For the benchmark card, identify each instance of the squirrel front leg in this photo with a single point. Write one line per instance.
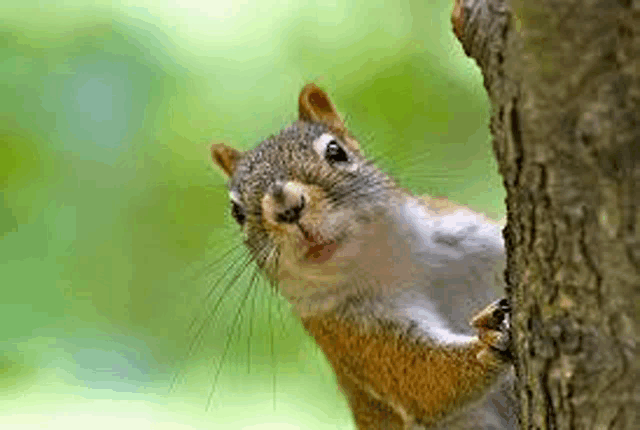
(400, 380)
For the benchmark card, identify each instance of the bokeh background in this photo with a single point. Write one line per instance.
(123, 303)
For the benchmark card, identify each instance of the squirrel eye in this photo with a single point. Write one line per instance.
(334, 153)
(237, 213)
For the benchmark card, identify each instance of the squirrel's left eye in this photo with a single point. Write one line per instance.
(238, 213)
(334, 153)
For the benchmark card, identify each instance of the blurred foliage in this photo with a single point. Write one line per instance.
(117, 253)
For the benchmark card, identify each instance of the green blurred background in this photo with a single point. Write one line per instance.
(115, 309)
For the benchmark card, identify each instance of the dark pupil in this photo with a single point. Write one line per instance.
(237, 213)
(335, 153)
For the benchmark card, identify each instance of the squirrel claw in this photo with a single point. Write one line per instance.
(493, 317)
(493, 324)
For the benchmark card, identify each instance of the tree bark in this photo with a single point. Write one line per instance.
(563, 79)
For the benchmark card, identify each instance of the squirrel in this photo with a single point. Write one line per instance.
(384, 281)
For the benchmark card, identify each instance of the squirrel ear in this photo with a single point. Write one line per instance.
(314, 105)
(225, 157)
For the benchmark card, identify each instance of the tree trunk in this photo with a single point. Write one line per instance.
(563, 78)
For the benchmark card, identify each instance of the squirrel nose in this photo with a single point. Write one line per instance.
(291, 215)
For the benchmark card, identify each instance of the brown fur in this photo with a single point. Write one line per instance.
(396, 381)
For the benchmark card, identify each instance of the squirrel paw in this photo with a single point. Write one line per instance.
(493, 324)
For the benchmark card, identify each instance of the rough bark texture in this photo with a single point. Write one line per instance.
(563, 78)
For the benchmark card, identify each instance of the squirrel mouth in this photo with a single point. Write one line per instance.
(319, 249)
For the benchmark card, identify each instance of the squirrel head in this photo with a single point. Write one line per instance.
(303, 195)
